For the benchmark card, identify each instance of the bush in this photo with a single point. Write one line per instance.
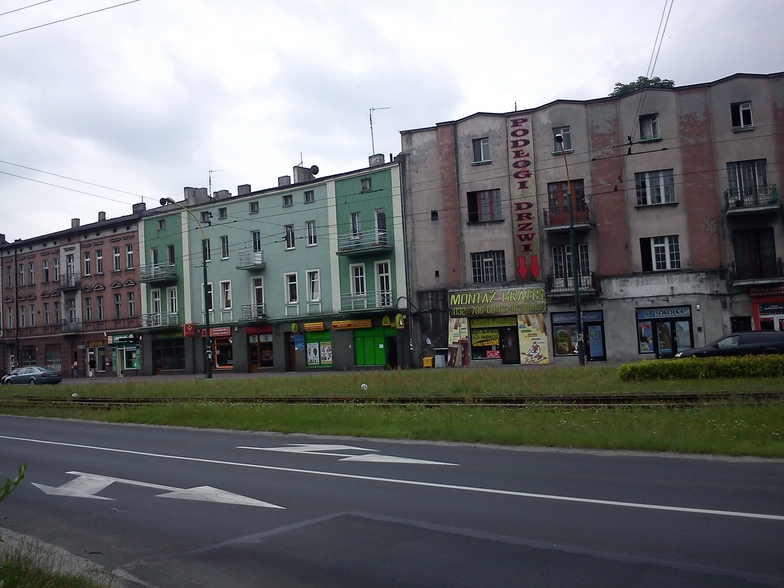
(747, 366)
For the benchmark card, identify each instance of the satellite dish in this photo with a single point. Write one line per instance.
(314, 169)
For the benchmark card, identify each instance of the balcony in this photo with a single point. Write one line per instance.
(157, 273)
(757, 274)
(252, 312)
(160, 320)
(69, 281)
(364, 243)
(71, 326)
(557, 219)
(758, 200)
(371, 300)
(563, 287)
(251, 260)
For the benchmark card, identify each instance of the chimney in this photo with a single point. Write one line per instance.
(243, 189)
(190, 196)
(101, 216)
(376, 160)
(302, 174)
(220, 194)
(75, 223)
(138, 208)
(284, 181)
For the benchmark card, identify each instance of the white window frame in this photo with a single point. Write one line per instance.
(382, 235)
(356, 225)
(310, 196)
(226, 301)
(312, 236)
(224, 246)
(566, 134)
(88, 310)
(649, 127)
(655, 187)
(358, 280)
(87, 264)
(129, 256)
(31, 268)
(664, 253)
(117, 305)
(288, 200)
(287, 283)
(291, 242)
(742, 110)
(131, 297)
(366, 184)
(171, 299)
(162, 224)
(210, 296)
(256, 287)
(255, 239)
(32, 315)
(253, 207)
(101, 310)
(156, 304)
(46, 313)
(481, 149)
(313, 279)
(56, 269)
(207, 252)
(223, 213)
(384, 283)
(98, 261)
(116, 259)
(44, 264)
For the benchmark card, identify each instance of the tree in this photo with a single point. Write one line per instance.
(642, 82)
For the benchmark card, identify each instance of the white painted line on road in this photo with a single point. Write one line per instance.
(659, 507)
(326, 450)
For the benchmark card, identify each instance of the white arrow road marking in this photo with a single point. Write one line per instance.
(87, 485)
(313, 449)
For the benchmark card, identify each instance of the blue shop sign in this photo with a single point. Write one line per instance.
(567, 318)
(673, 312)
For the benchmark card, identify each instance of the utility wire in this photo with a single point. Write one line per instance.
(24, 7)
(66, 19)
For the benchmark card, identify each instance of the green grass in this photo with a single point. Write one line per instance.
(32, 566)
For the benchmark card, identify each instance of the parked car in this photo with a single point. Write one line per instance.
(741, 343)
(33, 374)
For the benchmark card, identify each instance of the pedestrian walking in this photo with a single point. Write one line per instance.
(92, 368)
(75, 368)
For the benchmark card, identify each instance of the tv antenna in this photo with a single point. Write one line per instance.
(212, 171)
(372, 140)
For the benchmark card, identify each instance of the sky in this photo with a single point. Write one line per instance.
(121, 103)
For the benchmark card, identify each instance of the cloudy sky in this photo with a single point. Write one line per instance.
(135, 102)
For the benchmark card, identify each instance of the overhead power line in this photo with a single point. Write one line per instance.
(66, 19)
(24, 7)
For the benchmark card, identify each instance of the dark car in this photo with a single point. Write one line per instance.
(33, 374)
(741, 343)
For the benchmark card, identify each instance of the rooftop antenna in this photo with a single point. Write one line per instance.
(372, 140)
(212, 171)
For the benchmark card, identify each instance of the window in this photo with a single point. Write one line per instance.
(206, 215)
(223, 213)
(255, 238)
(22, 323)
(660, 253)
(98, 261)
(741, 115)
(366, 184)
(655, 187)
(101, 315)
(57, 314)
(254, 207)
(210, 307)
(32, 315)
(21, 274)
(433, 215)
(56, 269)
(156, 301)
(649, 127)
(45, 265)
(558, 202)
(170, 254)
(383, 283)
(87, 264)
(10, 319)
(488, 266)
(288, 200)
(755, 254)
(484, 206)
(116, 259)
(481, 150)
(314, 286)
(131, 304)
(70, 267)
(258, 294)
(356, 225)
(748, 182)
(562, 266)
(358, 280)
(171, 298)
(310, 196)
(292, 296)
(207, 250)
(88, 309)
(381, 226)
(129, 256)
(46, 313)
(118, 306)
(566, 135)
(290, 237)
(312, 238)
(224, 247)
(71, 304)
(162, 224)
(225, 295)
(31, 273)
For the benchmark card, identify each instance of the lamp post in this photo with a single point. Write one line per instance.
(165, 201)
(575, 263)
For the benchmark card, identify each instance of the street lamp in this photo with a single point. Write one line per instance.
(575, 264)
(164, 202)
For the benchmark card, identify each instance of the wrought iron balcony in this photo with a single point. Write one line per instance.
(756, 274)
(364, 243)
(563, 286)
(71, 326)
(69, 281)
(250, 312)
(370, 300)
(158, 273)
(251, 260)
(751, 200)
(161, 319)
(556, 219)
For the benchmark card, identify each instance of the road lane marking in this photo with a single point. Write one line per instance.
(327, 450)
(475, 489)
(88, 485)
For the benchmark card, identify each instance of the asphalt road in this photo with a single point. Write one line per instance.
(182, 507)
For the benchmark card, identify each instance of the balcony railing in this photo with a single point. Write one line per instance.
(367, 242)
(251, 260)
(250, 312)
(71, 326)
(770, 272)
(162, 319)
(557, 219)
(157, 273)
(564, 286)
(740, 200)
(69, 281)
(373, 299)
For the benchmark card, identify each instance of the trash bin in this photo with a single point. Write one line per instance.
(427, 362)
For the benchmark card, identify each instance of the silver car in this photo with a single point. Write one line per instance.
(33, 374)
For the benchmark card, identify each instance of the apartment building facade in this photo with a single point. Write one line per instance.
(675, 212)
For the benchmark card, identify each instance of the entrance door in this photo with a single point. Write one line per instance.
(682, 336)
(593, 336)
(510, 345)
(392, 352)
(291, 357)
(254, 355)
(665, 343)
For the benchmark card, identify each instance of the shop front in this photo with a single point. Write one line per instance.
(168, 352)
(126, 354)
(96, 352)
(318, 345)
(502, 326)
(222, 348)
(565, 334)
(663, 332)
(768, 304)
(260, 350)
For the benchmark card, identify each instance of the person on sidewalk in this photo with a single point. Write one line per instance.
(92, 368)
(75, 368)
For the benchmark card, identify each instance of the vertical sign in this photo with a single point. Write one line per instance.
(523, 192)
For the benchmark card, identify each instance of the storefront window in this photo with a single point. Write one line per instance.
(565, 334)
(319, 349)
(664, 331)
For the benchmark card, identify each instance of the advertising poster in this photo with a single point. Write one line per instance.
(646, 336)
(532, 330)
(458, 330)
(313, 353)
(326, 353)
